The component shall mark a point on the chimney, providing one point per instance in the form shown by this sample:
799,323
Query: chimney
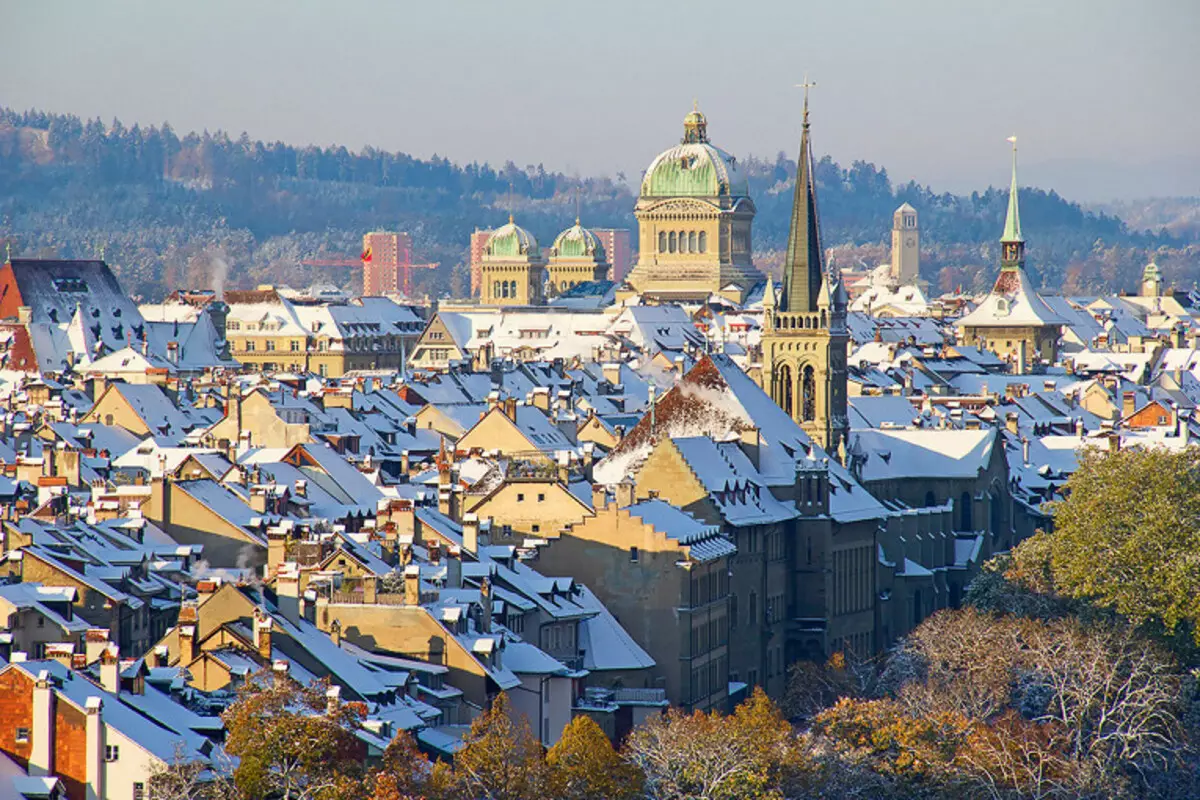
589,460
625,492
405,464
539,398
599,496
262,633
187,645
1012,422
280,670
485,602
1025,449
1079,427
110,669
1128,403
335,632
276,551
564,468
1022,357
1114,442
470,533
412,585
510,408
94,758
300,488
41,756
370,584
453,568
434,551
95,642
287,592
751,441
444,497
333,700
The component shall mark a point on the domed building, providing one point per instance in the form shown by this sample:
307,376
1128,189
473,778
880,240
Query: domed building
512,272
694,216
577,256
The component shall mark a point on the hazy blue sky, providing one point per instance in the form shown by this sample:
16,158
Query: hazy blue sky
1103,93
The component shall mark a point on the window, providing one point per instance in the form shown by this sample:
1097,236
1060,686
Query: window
691,241
662,241
633,555
703,242
809,395
249,346
520,498
139,791
541,497
295,345
22,734
752,616
672,241
323,370
537,528
233,325
111,752
270,345
108,419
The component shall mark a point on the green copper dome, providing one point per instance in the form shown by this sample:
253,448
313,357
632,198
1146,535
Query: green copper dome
694,167
512,240
578,242
1151,272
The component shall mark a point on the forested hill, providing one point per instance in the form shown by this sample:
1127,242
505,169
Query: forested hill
166,208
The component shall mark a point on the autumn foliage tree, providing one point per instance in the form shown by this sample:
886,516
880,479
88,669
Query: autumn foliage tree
501,758
585,766
292,742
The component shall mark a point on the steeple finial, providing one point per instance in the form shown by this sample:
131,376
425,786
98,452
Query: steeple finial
510,203
576,205
806,86
695,105
802,272
1012,223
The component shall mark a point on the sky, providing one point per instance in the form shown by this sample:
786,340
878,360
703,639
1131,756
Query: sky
1103,94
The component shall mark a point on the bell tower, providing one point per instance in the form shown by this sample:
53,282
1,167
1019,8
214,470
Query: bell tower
804,336
906,242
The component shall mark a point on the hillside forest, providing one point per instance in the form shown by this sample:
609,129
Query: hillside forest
206,210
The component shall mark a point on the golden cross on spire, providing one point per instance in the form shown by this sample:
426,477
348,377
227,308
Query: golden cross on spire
695,105
806,86
510,203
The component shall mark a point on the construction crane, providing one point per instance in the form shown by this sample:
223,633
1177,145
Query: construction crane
404,270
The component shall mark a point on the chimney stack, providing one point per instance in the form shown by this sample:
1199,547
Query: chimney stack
470,533
41,755
262,633
412,585
485,601
94,748
110,669
333,700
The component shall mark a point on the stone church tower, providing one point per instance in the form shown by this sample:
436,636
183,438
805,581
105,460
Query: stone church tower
804,333
906,242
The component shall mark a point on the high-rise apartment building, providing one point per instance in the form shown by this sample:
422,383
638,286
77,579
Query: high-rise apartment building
616,243
384,252
479,240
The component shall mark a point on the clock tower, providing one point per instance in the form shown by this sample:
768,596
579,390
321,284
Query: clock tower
906,243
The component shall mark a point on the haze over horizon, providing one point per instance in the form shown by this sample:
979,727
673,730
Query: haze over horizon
1096,90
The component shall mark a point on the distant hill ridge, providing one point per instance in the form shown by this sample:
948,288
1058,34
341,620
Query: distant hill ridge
166,207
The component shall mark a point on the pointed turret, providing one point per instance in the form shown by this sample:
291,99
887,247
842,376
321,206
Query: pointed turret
1013,244
769,293
802,273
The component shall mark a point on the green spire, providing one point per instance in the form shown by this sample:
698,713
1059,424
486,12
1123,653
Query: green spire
1012,223
802,264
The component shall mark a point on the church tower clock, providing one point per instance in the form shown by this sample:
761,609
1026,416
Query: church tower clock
906,241
804,332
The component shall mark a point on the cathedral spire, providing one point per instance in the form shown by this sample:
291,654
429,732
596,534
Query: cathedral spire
802,273
1012,243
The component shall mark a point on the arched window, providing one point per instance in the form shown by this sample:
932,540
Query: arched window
562,285
703,241
809,394
495,289
691,241
672,242
824,319
966,516
683,241
512,288
662,241
783,389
